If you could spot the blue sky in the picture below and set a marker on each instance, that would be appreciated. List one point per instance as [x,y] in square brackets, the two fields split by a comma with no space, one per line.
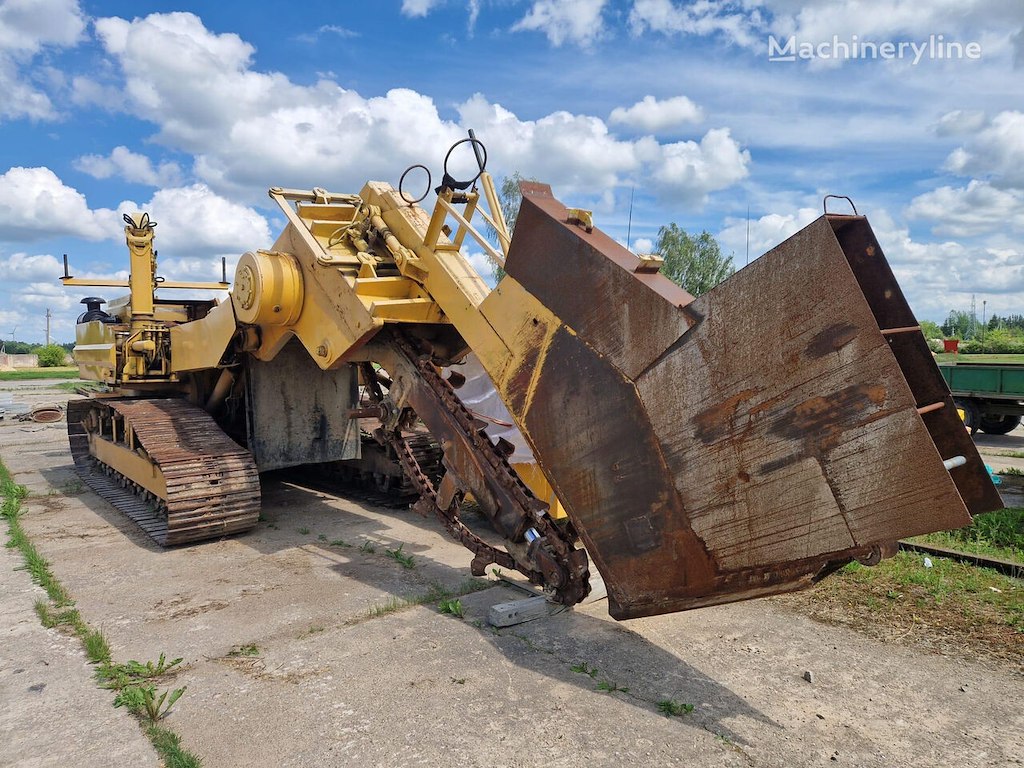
[191,111]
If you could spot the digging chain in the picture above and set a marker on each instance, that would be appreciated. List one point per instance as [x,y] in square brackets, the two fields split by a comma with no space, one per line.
[562,567]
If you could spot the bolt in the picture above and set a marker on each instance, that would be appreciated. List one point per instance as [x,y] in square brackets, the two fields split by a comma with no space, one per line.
[322,350]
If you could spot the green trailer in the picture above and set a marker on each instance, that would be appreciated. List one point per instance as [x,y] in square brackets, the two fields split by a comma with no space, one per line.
[990,395]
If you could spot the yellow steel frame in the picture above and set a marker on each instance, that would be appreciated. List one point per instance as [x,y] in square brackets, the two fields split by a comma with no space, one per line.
[130,464]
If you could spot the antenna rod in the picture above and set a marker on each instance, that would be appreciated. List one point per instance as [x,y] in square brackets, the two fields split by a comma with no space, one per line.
[748,233]
[629,223]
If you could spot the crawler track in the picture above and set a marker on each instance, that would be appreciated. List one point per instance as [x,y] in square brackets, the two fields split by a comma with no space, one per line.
[212,485]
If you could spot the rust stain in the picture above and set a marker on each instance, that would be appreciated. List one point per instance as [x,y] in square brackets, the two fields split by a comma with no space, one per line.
[717,421]
[825,415]
[832,339]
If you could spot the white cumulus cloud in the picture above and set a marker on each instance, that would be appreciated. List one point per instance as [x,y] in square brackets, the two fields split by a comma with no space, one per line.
[251,129]
[26,28]
[416,8]
[688,170]
[35,204]
[573,21]
[765,232]
[24,268]
[193,220]
[654,116]
[704,18]
[130,166]
[995,150]
[977,209]
[579,154]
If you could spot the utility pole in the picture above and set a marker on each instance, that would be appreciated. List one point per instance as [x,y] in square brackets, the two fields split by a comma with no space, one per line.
[48,316]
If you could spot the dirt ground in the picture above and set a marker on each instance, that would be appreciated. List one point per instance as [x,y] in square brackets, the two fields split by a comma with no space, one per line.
[333,684]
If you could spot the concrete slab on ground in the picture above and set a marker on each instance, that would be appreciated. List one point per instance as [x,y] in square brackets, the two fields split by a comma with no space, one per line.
[338,678]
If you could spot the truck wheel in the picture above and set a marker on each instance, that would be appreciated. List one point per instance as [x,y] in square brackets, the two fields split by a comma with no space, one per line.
[999,425]
[972,416]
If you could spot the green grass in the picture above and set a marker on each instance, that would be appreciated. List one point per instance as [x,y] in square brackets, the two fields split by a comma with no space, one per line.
[609,687]
[944,357]
[437,593]
[97,650]
[950,607]
[451,606]
[946,582]
[584,669]
[74,386]
[400,557]
[26,374]
[58,611]
[995,534]
[250,649]
[143,701]
[168,746]
[673,708]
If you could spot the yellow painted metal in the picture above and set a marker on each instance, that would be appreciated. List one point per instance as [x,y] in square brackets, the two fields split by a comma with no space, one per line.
[581,217]
[343,303]
[497,221]
[332,320]
[199,345]
[95,351]
[183,284]
[136,346]
[94,282]
[268,289]
[129,463]
[142,280]
[504,330]
[533,476]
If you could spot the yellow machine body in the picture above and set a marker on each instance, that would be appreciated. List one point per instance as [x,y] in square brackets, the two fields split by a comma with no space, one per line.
[694,466]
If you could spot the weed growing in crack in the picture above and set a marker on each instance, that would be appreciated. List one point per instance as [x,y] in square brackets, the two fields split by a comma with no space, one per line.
[584,669]
[400,557]
[452,606]
[673,708]
[142,701]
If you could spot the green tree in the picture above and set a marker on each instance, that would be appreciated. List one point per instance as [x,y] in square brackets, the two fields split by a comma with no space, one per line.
[17,347]
[509,198]
[51,356]
[931,330]
[957,325]
[696,264]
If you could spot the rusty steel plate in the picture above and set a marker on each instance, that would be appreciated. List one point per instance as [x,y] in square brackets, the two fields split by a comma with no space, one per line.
[744,443]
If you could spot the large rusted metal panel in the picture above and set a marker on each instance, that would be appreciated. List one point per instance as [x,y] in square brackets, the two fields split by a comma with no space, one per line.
[592,284]
[757,437]
[298,414]
[884,296]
